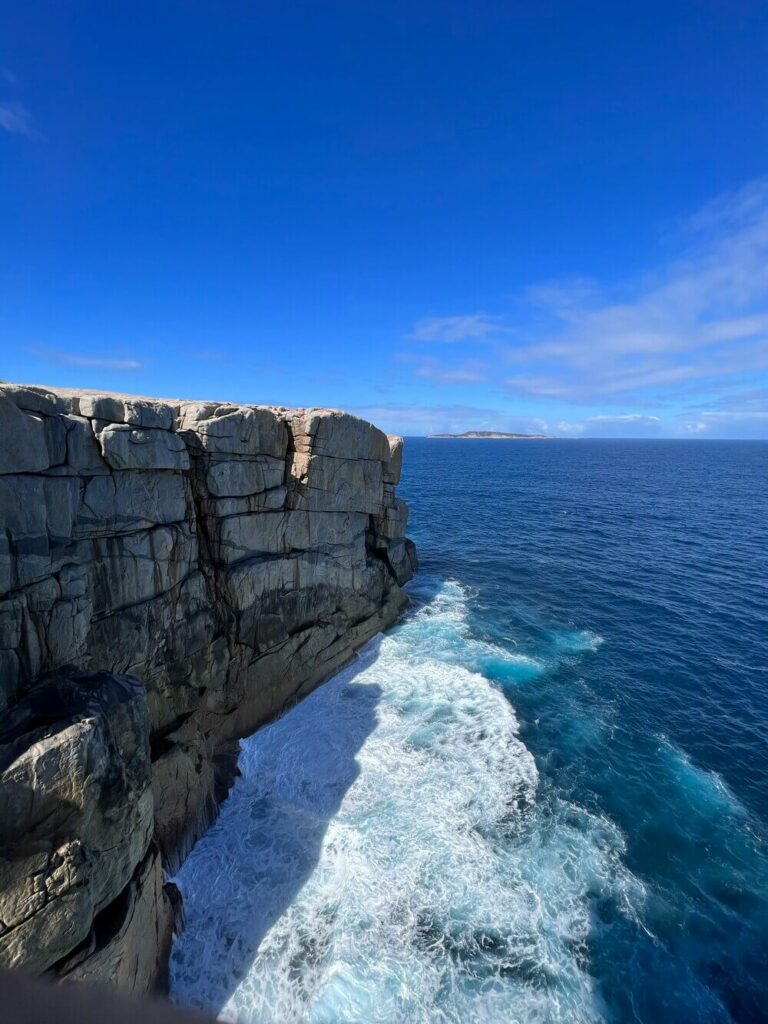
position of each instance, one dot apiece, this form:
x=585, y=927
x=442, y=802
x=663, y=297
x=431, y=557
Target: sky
x=530, y=216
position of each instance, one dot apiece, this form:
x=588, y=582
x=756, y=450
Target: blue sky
x=446, y=216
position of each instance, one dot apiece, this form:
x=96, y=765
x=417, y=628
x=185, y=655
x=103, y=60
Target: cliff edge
x=172, y=575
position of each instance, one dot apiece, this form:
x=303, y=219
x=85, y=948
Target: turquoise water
x=544, y=796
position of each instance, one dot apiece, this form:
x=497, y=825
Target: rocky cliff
x=172, y=575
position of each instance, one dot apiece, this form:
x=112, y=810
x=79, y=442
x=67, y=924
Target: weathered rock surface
x=172, y=575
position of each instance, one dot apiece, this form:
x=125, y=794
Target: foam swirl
x=384, y=857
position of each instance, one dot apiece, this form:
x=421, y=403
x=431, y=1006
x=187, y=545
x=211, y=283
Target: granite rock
x=76, y=809
x=172, y=575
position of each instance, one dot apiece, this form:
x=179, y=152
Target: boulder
x=75, y=810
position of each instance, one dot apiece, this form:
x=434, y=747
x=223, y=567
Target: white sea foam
x=384, y=857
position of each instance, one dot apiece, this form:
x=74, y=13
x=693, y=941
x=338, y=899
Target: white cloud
x=418, y=419
x=104, y=364
x=570, y=429
x=732, y=415
x=562, y=295
x=623, y=424
x=628, y=417
x=691, y=332
x=702, y=317
x=467, y=372
x=98, y=362
x=16, y=119
x=450, y=329
x=733, y=330
x=696, y=325
x=415, y=419
x=730, y=423
x=404, y=418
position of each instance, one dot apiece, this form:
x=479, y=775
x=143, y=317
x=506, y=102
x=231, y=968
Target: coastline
x=480, y=436
x=173, y=575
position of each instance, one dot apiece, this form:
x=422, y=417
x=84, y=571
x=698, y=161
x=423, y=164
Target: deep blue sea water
x=543, y=797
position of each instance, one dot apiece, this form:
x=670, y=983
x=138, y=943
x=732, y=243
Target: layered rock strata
x=172, y=575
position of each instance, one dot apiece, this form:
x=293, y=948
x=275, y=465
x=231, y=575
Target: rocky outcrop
x=172, y=575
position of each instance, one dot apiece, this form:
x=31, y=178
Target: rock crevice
x=172, y=575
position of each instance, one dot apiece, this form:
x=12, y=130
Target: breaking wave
x=389, y=853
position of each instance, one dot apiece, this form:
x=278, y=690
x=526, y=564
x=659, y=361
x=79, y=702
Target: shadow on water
x=250, y=867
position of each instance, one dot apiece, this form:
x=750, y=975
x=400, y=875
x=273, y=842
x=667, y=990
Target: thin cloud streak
x=694, y=326
x=415, y=419
x=97, y=362
x=702, y=317
x=450, y=329
x=107, y=364
x=16, y=119
x=468, y=372
x=596, y=426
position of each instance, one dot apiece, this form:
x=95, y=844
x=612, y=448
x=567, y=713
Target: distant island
x=496, y=435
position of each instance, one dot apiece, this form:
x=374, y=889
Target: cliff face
x=172, y=574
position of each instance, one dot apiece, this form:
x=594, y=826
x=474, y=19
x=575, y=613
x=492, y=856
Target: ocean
x=541, y=797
